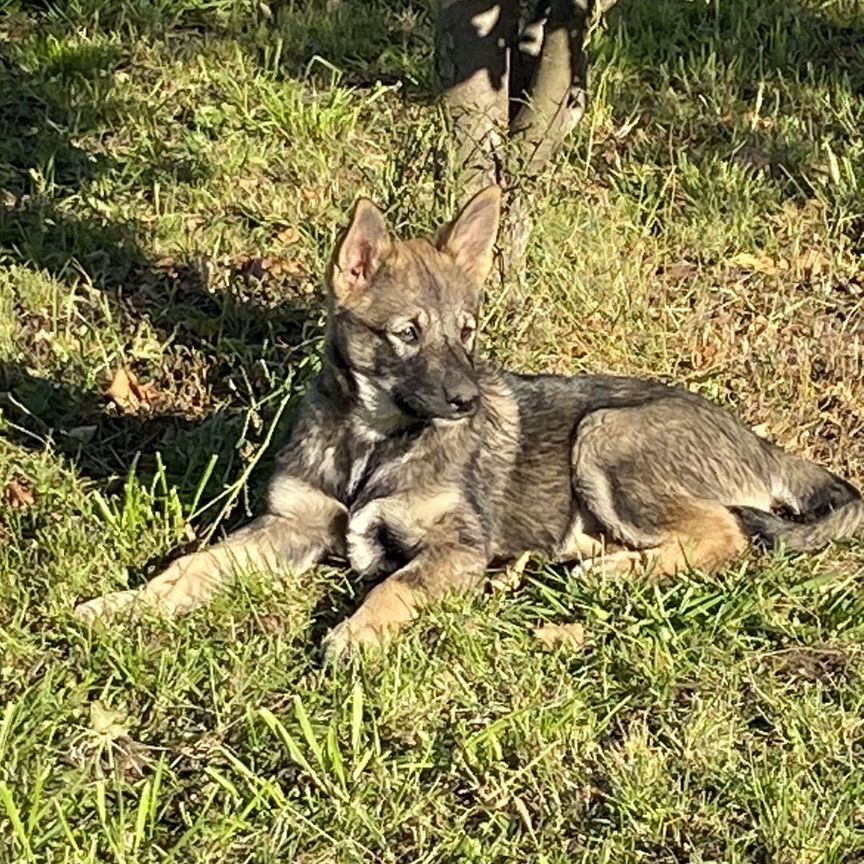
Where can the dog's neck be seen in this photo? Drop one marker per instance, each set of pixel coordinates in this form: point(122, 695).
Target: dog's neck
point(375, 416)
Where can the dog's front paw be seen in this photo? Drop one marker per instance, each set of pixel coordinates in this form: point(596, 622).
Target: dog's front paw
point(580, 568)
point(349, 636)
point(103, 607)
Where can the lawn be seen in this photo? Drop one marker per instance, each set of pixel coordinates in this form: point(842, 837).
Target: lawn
point(173, 175)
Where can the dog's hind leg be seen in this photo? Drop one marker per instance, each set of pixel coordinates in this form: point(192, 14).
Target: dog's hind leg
point(294, 539)
point(660, 493)
point(699, 535)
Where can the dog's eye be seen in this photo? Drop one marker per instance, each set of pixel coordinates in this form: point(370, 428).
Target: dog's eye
point(467, 332)
point(409, 335)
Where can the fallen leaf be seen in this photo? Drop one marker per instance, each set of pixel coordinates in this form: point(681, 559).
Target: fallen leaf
point(19, 495)
point(757, 263)
point(288, 236)
point(511, 577)
point(521, 808)
point(131, 757)
point(283, 266)
point(678, 270)
point(128, 394)
point(273, 625)
point(120, 391)
point(705, 356)
point(82, 433)
point(812, 263)
point(107, 722)
point(169, 265)
point(552, 636)
point(273, 265)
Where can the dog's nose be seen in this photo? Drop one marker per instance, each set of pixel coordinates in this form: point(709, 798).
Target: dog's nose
point(463, 403)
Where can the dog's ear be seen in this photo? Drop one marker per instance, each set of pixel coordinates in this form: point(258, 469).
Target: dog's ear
point(470, 237)
point(360, 251)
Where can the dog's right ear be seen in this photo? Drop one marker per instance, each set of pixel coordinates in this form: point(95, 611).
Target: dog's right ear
point(360, 251)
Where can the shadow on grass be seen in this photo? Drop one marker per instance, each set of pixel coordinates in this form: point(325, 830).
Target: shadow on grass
point(775, 38)
point(42, 169)
point(763, 85)
point(45, 226)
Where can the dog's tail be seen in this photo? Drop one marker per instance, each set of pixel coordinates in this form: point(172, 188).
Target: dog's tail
point(828, 507)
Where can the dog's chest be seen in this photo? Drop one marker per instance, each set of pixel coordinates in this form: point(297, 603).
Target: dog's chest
point(357, 474)
point(374, 471)
point(377, 489)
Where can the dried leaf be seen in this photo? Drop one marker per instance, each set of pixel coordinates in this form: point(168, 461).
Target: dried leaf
point(757, 263)
point(147, 394)
point(705, 356)
point(283, 266)
point(760, 429)
point(520, 807)
point(812, 263)
point(128, 394)
point(678, 271)
point(258, 268)
point(120, 391)
point(107, 722)
point(19, 495)
point(570, 636)
point(131, 757)
point(272, 625)
point(84, 434)
point(169, 265)
point(288, 236)
point(511, 577)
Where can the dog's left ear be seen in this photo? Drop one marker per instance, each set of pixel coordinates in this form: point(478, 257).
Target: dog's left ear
point(470, 237)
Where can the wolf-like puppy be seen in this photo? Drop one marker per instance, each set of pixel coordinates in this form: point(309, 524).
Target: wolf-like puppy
point(422, 464)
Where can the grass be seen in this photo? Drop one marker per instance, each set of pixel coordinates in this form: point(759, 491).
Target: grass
point(173, 175)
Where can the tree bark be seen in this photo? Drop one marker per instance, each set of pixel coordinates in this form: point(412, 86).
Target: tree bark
point(512, 98)
point(557, 98)
point(474, 40)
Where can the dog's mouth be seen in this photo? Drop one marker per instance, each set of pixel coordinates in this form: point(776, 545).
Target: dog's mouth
point(416, 409)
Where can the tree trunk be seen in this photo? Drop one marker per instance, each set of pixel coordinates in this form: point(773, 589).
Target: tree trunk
point(513, 98)
point(473, 58)
point(550, 109)
point(556, 101)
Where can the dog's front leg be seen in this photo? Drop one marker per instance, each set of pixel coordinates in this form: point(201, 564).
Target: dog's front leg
point(307, 525)
point(397, 600)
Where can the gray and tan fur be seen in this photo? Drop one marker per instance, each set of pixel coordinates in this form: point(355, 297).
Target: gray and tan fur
point(423, 464)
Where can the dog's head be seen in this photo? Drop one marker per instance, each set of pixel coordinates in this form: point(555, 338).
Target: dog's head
point(404, 313)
